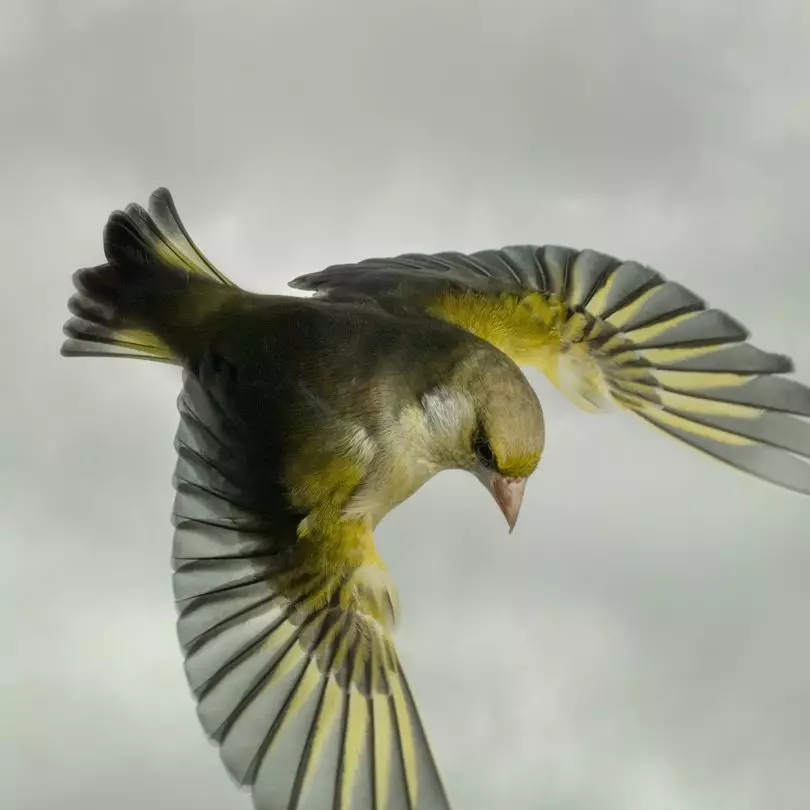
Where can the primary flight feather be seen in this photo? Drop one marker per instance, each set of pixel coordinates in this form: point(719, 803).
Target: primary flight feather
point(303, 422)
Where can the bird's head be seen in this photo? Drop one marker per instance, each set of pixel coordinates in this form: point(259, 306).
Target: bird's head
point(488, 420)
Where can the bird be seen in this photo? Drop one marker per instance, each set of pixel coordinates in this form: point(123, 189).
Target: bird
point(304, 421)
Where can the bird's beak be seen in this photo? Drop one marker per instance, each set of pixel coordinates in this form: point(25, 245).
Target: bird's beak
point(508, 494)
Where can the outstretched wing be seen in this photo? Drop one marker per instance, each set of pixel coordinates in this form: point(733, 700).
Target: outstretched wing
point(290, 659)
point(608, 332)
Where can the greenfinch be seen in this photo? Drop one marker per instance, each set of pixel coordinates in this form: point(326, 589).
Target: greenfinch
point(304, 421)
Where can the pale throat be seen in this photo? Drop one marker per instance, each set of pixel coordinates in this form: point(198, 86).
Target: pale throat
point(418, 444)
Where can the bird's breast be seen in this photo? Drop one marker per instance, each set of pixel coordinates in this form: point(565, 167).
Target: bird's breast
point(403, 463)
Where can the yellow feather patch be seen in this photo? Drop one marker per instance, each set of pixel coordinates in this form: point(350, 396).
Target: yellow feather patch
point(693, 404)
point(574, 328)
point(630, 373)
point(616, 342)
point(695, 428)
point(696, 380)
point(324, 723)
point(645, 333)
point(520, 324)
point(684, 402)
point(597, 303)
point(306, 686)
point(406, 736)
point(535, 329)
point(289, 660)
point(318, 476)
point(622, 316)
point(633, 401)
point(279, 637)
point(180, 259)
point(520, 466)
point(674, 354)
point(356, 730)
point(144, 340)
point(381, 718)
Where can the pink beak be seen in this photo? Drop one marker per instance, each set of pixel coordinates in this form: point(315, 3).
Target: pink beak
point(508, 494)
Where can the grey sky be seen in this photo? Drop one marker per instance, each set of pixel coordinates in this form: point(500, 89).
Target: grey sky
point(640, 642)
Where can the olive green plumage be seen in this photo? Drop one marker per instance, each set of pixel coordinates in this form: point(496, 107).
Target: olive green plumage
point(303, 424)
point(305, 421)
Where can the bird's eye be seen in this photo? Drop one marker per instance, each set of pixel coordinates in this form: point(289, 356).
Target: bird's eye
point(483, 450)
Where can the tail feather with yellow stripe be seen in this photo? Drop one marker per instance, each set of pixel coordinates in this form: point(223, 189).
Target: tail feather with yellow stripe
point(155, 285)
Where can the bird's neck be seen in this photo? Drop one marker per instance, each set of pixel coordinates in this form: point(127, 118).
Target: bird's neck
point(410, 451)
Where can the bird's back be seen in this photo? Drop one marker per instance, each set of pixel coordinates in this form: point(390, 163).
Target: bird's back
point(303, 361)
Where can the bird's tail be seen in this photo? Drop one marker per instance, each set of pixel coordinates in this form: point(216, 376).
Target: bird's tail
point(151, 297)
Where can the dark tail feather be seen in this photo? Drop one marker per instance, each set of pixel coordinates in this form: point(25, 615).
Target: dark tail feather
point(154, 290)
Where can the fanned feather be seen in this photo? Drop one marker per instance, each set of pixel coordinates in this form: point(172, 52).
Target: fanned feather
point(172, 240)
point(608, 332)
point(155, 279)
point(299, 686)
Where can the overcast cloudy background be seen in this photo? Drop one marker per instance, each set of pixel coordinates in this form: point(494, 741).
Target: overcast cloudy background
point(640, 642)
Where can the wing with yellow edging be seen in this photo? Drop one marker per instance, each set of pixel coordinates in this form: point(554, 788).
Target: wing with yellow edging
point(608, 332)
point(289, 654)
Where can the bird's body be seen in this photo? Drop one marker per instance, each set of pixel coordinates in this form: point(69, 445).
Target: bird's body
point(340, 388)
point(305, 421)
